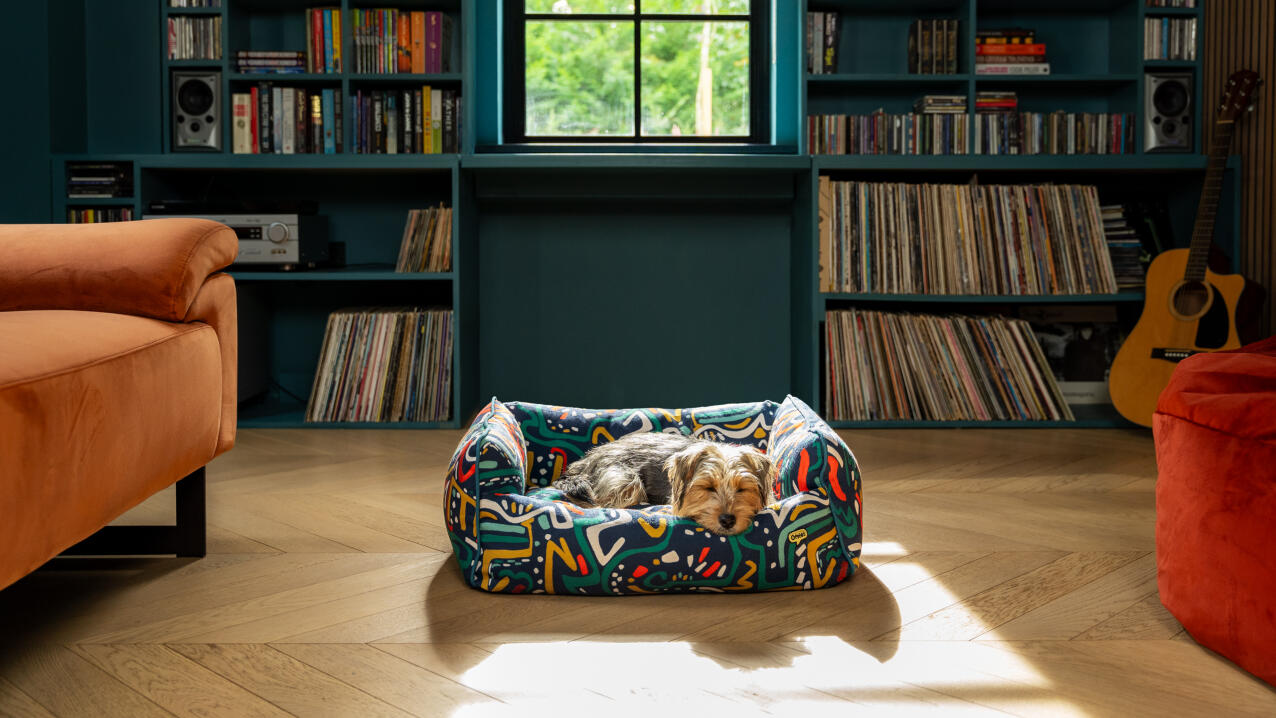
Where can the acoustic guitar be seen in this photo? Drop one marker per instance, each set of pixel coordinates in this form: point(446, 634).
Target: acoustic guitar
point(1187, 308)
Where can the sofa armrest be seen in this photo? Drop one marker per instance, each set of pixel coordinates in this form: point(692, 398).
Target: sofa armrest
point(149, 268)
point(216, 306)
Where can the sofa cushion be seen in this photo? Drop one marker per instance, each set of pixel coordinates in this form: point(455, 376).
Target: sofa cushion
point(97, 412)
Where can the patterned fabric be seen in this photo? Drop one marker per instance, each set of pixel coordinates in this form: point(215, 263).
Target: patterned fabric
point(509, 536)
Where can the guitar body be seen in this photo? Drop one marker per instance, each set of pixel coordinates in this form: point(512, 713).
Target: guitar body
point(1180, 318)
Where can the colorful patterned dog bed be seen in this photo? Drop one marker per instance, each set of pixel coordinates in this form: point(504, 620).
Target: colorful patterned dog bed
point(510, 534)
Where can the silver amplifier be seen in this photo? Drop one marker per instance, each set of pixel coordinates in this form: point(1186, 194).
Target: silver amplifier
point(283, 240)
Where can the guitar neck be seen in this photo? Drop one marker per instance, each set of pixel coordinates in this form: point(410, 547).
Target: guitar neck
point(1206, 211)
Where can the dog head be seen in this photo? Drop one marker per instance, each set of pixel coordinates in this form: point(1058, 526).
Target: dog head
point(720, 486)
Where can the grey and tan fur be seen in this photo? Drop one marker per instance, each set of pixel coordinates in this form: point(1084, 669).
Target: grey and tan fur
point(720, 486)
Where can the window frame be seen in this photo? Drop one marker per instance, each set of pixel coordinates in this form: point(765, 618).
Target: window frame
point(514, 63)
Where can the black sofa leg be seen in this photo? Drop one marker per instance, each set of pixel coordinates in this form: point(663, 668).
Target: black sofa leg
point(186, 538)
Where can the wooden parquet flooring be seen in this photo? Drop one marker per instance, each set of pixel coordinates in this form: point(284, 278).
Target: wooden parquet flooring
point(1006, 571)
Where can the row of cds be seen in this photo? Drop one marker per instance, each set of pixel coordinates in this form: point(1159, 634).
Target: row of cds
point(194, 38)
point(1055, 133)
point(883, 134)
point(921, 367)
point(427, 241)
point(1169, 38)
point(900, 238)
point(384, 365)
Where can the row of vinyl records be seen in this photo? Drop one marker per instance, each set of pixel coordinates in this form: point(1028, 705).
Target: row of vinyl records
point(1055, 133)
point(274, 119)
point(919, 367)
point(384, 364)
point(883, 134)
point(194, 38)
point(408, 121)
point(427, 241)
point(896, 238)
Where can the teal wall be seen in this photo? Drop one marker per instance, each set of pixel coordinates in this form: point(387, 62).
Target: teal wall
point(24, 122)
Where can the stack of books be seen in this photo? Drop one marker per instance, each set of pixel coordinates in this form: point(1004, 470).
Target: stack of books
point(99, 179)
point(269, 61)
point(1169, 38)
point(932, 47)
point(427, 241)
point(195, 38)
point(323, 40)
point(940, 104)
point(407, 121)
point(921, 367)
point(93, 215)
point(1010, 51)
point(388, 41)
point(384, 365)
point(1125, 247)
point(895, 238)
point(273, 119)
point(822, 36)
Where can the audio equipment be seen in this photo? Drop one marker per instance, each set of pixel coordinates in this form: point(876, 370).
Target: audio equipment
point(196, 110)
point(1167, 112)
point(276, 240)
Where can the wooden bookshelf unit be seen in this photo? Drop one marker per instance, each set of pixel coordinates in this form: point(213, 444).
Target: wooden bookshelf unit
point(514, 202)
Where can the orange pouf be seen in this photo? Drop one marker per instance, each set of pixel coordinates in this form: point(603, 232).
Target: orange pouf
point(1215, 429)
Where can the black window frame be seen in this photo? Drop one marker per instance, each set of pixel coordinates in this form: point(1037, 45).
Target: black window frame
point(514, 64)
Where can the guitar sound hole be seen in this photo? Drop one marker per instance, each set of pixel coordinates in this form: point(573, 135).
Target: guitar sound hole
point(1190, 298)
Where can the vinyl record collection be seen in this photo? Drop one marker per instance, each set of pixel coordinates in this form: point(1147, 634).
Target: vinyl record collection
point(1169, 38)
point(384, 365)
point(195, 38)
point(427, 241)
point(896, 238)
point(920, 367)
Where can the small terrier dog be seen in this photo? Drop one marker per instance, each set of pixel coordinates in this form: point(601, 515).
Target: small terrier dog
point(720, 486)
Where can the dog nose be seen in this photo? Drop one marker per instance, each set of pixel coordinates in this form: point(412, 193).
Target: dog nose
point(727, 520)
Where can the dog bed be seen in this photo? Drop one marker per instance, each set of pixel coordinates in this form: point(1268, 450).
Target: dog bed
point(510, 533)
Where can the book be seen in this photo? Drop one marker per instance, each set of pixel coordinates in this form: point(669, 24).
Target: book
point(241, 133)
point(418, 42)
point(1004, 68)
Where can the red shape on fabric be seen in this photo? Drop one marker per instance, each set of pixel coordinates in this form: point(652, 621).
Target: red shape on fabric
point(709, 571)
point(518, 589)
point(703, 552)
point(841, 575)
point(640, 572)
point(1215, 430)
point(580, 561)
point(837, 487)
point(803, 466)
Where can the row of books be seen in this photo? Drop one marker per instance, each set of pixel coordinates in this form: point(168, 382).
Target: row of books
point(387, 40)
point(929, 133)
point(427, 241)
point(1124, 245)
point(276, 119)
point(1169, 38)
point(1010, 51)
point(194, 3)
point(269, 61)
point(195, 38)
point(93, 215)
point(921, 367)
point(99, 179)
point(407, 121)
point(384, 365)
point(323, 40)
point(823, 33)
point(1171, 3)
point(1054, 133)
point(896, 238)
point(932, 47)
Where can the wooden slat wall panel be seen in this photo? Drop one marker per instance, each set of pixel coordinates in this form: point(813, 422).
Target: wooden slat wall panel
point(1241, 34)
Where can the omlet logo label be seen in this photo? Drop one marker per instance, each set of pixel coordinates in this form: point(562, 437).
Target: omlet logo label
point(797, 536)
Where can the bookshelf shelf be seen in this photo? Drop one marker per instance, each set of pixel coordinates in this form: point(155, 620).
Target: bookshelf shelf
point(100, 201)
point(850, 78)
point(343, 161)
point(1061, 78)
point(341, 275)
point(284, 78)
point(637, 160)
point(406, 78)
point(1123, 297)
point(1013, 163)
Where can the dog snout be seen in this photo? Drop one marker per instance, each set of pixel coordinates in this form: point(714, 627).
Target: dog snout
point(726, 520)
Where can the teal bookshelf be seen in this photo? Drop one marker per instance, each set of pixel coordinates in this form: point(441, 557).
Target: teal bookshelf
point(752, 210)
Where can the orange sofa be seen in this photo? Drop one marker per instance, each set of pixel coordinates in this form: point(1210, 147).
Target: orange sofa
point(117, 379)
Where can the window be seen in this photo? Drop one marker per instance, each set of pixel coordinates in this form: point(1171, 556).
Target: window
point(621, 71)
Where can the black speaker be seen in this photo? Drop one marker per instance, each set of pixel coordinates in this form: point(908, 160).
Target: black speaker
point(1167, 112)
point(197, 110)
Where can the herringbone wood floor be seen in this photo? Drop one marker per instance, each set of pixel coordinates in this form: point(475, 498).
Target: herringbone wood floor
point(1006, 571)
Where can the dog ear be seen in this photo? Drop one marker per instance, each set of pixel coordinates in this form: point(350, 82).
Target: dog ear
point(761, 466)
point(680, 467)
